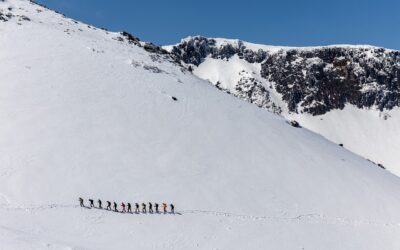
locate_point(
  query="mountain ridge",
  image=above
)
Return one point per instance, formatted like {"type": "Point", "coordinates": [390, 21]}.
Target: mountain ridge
{"type": "Point", "coordinates": [310, 84]}
{"type": "Point", "coordinates": [86, 114]}
{"type": "Point", "coordinates": [373, 72]}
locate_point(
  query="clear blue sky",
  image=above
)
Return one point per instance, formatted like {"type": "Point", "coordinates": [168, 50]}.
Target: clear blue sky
{"type": "Point", "coordinates": [275, 22]}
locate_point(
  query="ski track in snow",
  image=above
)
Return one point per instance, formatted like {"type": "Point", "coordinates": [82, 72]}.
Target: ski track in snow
{"type": "Point", "coordinates": [307, 218]}
{"type": "Point", "coordinates": [311, 218]}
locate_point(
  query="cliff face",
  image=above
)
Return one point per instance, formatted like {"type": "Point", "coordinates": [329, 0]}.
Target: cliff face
{"type": "Point", "coordinates": [319, 80]}
{"type": "Point", "coordinates": [195, 49]}
{"type": "Point", "coordinates": [312, 80]}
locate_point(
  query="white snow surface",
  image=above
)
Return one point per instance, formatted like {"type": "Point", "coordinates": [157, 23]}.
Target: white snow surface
{"type": "Point", "coordinates": [85, 115]}
{"type": "Point", "coordinates": [371, 133]}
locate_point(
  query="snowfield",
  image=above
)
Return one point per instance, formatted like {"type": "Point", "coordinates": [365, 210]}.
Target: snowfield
{"type": "Point", "coordinates": [368, 132]}
{"type": "Point", "coordinates": [85, 114]}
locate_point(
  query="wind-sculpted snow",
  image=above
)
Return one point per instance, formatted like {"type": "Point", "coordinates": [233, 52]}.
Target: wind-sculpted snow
{"type": "Point", "coordinates": [86, 112]}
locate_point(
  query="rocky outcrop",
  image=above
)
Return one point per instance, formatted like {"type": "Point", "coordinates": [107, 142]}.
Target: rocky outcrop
{"type": "Point", "coordinates": [194, 50]}
{"type": "Point", "coordinates": [130, 38]}
{"type": "Point", "coordinates": [150, 47]}
{"type": "Point", "coordinates": [319, 80]}
{"type": "Point", "coordinates": [250, 89]}
{"type": "Point", "coordinates": [311, 80]}
{"type": "Point", "coordinates": [3, 17]}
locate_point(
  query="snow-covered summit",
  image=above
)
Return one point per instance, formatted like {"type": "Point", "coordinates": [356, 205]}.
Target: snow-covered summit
{"type": "Point", "coordinates": [86, 112]}
{"type": "Point", "coordinates": [221, 42]}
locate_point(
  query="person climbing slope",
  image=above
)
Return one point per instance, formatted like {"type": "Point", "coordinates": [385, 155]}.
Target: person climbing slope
{"type": "Point", "coordinates": [91, 203]}
{"type": "Point", "coordinates": [164, 208]}
{"type": "Point", "coordinates": [144, 208]}
{"type": "Point", "coordinates": [156, 206]}
{"type": "Point", "coordinates": [123, 207]}
{"type": "Point", "coordinates": [115, 207]}
{"type": "Point", "coordinates": [172, 208]}
{"type": "Point", "coordinates": [99, 201]}
{"type": "Point", "coordinates": [129, 208]}
{"type": "Point", "coordinates": [137, 208]}
{"type": "Point", "coordinates": [81, 202]}
{"type": "Point", "coordinates": [108, 205]}
{"type": "Point", "coordinates": [150, 207]}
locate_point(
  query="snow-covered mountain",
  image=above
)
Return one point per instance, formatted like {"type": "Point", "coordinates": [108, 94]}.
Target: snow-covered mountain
{"type": "Point", "coordinates": [97, 114]}
{"type": "Point", "coordinates": [349, 94]}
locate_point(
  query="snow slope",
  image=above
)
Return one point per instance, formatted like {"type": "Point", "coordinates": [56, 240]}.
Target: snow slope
{"type": "Point", "coordinates": [368, 132]}
{"type": "Point", "coordinates": [226, 74]}
{"type": "Point", "coordinates": [84, 114]}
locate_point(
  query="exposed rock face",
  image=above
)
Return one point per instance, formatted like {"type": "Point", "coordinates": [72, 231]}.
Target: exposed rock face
{"type": "Point", "coordinates": [319, 80]}
{"type": "Point", "coordinates": [312, 80]}
{"type": "Point", "coordinates": [130, 38]}
{"type": "Point", "coordinates": [3, 17]}
{"type": "Point", "coordinates": [250, 89]}
{"type": "Point", "coordinates": [154, 48]}
{"type": "Point", "coordinates": [6, 15]}
{"type": "Point", "coordinates": [194, 51]}
{"type": "Point", "coordinates": [150, 47]}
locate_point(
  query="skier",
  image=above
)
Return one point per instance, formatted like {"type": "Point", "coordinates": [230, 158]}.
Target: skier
{"type": "Point", "coordinates": [123, 207]}
{"type": "Point", "coordinates": [156, 205]}
{"type": "Point", "coordinates": [164, 205]}
{"type": "Point", "coordinates": [150, 208]}
{"type": "Point", "coordinates": [144, 208]}
{"type": "Point", "coordinates": [91, 203]}
{"type": "Point", "coordinates": [81, 202]}
{"type": "Point", "coordinates": [137, 208]}
{"type": "Point", "coordinates": [99, 201]}
{"type": "Point", "coordinates": [108, 205]}
{"type": "Point", "coordinates": [172, 208]}
{"type": "Point", "coordinates": [129, 208]}
{"type": "Point", "coordinates": [115, 207]}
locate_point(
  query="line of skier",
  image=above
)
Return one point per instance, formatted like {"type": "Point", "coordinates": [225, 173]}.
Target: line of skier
{"type": "Point", "coordinates": [127, 208]}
